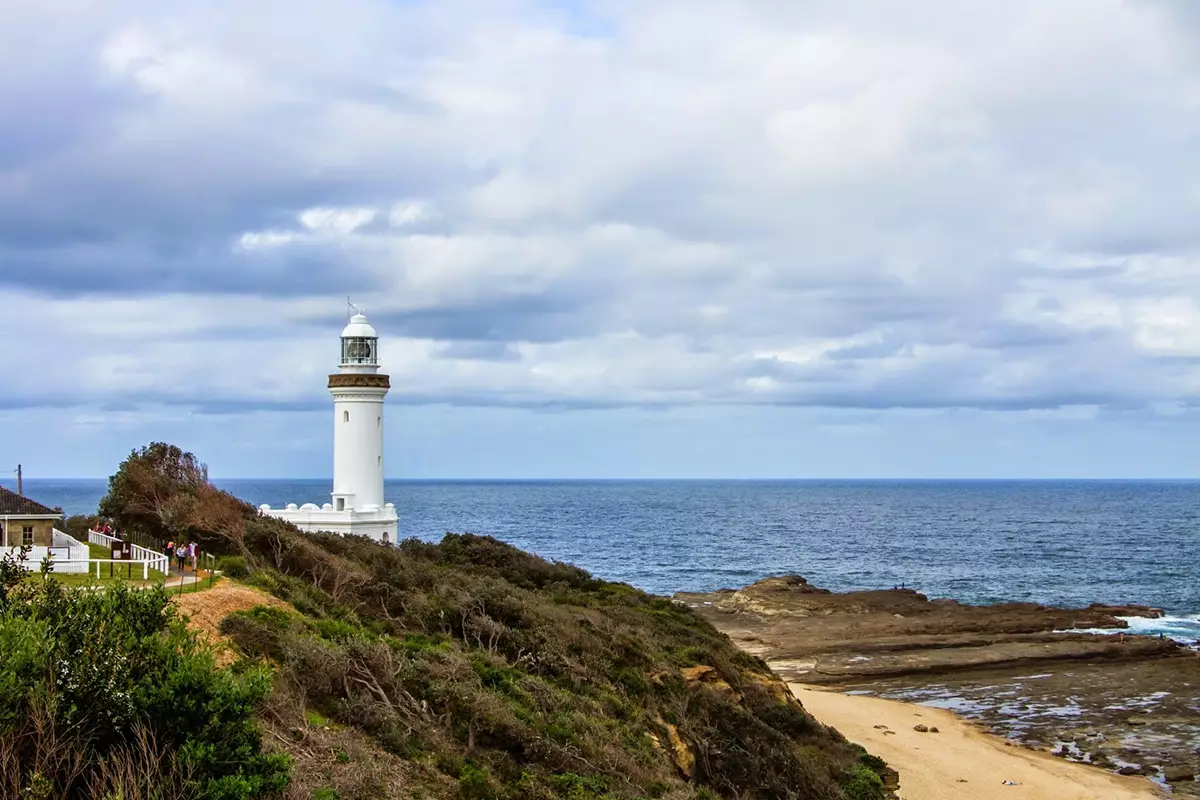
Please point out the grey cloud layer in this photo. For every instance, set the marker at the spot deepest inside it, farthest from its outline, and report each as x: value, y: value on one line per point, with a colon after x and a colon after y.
x: 605, y: 204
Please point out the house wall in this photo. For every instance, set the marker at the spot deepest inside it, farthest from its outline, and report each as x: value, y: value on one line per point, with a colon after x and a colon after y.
x: 43, y: 531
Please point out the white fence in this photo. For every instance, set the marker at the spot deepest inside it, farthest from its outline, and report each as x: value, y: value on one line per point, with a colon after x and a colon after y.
x: 158, y: 561
x: 70, y: 556
x: 151, y: 558
x: 96, y: 537
x: 66, y: 554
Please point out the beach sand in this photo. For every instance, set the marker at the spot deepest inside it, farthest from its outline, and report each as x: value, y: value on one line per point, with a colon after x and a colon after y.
x: 961, y: 762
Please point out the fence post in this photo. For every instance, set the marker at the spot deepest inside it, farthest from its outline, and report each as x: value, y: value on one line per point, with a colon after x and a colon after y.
x: 145, y: 570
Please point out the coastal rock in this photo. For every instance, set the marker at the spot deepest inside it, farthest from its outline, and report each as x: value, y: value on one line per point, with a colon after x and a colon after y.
x: 1127, y: 611
x: 920, y: 729
x: 681, y: 754
x: 875, y: 634
x: 696, y: 674
x: 1179, y: 773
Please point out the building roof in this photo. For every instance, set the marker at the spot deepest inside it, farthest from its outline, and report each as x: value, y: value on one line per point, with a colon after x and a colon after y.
x: 359, y: 328
x: 15, y: 504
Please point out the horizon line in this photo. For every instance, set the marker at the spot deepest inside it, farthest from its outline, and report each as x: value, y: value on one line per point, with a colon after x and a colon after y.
x: 675, y: 479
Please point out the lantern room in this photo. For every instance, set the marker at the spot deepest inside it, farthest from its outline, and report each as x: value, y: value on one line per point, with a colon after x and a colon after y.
x: 360, y: 343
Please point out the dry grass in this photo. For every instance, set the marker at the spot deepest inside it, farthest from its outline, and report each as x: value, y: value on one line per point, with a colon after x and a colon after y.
x: 205, y: 610
x: 338, y: 761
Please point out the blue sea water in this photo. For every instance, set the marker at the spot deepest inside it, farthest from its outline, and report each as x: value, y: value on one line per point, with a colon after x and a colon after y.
x: 1054, y: 542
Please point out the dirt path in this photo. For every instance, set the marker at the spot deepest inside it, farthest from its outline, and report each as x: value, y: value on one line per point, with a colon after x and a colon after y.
x: 206, y: 609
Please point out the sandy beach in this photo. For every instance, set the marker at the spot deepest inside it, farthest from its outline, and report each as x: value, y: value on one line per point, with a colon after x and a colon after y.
x: 961, y: 762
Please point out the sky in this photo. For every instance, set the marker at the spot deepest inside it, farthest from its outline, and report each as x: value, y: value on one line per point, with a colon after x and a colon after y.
x: 681, y: 238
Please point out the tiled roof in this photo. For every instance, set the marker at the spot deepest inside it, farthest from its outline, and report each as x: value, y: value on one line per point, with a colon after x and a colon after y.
x: 13, y: 503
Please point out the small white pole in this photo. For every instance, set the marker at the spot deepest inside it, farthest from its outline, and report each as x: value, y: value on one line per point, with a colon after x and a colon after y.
x: 145, y: 570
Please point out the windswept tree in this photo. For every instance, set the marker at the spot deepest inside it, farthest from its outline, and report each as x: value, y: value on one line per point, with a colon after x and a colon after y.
x: 164, y: 491
x: 154, y: 491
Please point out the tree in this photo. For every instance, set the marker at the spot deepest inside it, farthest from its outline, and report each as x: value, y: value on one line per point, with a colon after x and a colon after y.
x: 154, y: 491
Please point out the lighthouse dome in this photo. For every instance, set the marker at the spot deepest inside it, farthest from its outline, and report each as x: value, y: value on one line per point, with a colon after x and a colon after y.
x: 359, y: 328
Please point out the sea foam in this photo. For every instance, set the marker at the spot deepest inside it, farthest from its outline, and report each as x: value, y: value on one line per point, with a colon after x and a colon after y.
x: 1185, y: 630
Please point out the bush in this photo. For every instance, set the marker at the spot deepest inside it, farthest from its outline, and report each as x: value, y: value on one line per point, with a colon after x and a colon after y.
x: 113, y: 677
x: 865, y: 784
x: 233, y: 567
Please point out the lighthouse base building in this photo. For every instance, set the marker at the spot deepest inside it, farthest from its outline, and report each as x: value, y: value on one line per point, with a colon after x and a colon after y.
x: 356, y: 503
x: 380, y: 524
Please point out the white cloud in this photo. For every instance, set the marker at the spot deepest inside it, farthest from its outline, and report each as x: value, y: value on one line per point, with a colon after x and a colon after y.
x: 671, y: 203
x: 336, y: 220
x: 411, y: 212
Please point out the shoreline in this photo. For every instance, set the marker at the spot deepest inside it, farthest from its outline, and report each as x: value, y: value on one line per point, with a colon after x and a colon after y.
x: 960, y: 760
x: 1041, y: 677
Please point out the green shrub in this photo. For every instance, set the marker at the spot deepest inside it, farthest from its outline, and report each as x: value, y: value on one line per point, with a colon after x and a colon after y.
x: 865, y: 784
x: 103, y: 671
x: 475, y: 784
x: 233, y: 567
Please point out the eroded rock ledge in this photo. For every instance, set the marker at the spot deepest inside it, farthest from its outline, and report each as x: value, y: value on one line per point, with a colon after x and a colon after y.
x: 818, y: 636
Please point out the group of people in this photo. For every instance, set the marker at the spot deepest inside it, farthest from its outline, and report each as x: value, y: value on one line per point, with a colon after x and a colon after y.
x: 183, y: 553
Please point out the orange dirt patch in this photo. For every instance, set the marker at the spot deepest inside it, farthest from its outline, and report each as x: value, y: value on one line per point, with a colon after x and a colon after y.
x: 205, y: 610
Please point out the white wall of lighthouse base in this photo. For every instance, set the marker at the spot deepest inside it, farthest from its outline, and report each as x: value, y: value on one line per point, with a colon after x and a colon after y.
x: 380, y: 524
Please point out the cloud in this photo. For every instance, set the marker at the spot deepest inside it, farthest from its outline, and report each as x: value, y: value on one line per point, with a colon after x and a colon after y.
x: 605, y: 204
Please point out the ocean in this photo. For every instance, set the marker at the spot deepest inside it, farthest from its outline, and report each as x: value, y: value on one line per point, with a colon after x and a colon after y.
x: 1053, y: 542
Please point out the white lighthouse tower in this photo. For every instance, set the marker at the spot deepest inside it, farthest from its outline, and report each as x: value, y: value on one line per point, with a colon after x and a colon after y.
x: 358, y: 390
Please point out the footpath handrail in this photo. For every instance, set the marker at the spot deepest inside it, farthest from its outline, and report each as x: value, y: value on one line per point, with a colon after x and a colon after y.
x: 156, y: 560
x: 96, y: 537
x: 98, y: 561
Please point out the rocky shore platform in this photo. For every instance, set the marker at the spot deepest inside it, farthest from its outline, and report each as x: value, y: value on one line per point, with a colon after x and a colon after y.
x: 1041, y: 677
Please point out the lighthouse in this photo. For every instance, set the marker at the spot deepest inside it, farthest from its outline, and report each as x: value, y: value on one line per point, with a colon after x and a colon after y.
x: 358, y: 389
x: 357, y: 503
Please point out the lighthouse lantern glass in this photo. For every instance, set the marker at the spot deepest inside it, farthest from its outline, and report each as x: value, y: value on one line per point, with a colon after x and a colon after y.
x: 359, y: 350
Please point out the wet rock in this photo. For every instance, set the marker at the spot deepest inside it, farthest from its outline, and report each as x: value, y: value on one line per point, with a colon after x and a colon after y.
x: 1129, y: 770
x: 1179, y: 773
x: 1127, y: 611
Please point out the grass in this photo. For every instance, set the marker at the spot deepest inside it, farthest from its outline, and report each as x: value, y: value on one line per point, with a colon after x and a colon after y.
x: 109, y: 573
